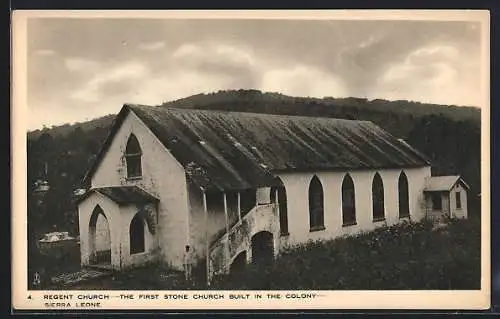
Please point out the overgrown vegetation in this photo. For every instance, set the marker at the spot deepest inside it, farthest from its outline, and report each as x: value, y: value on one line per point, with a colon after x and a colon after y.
x: 406, y: 256
x: 64, y: 259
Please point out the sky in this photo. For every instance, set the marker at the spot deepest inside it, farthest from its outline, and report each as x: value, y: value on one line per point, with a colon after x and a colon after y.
x: 80, y: 69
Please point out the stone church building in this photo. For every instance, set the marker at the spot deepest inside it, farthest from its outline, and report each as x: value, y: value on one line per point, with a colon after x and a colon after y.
x: 239, y: 187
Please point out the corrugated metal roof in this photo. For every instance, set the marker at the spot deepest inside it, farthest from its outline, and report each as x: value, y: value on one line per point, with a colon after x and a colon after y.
x: 443, y: 183
x: 231, y: 150
x: 235, y: 150
x: 122, y: 194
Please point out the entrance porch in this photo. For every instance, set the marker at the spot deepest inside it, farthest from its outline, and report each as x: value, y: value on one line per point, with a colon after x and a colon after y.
x: 117, y: 227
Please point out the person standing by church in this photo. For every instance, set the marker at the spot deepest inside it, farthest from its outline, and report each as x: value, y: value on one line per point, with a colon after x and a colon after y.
x: 188, y: 265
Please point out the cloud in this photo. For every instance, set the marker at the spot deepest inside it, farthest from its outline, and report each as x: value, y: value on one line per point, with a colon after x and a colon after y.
x: 151, y: 46
x: 302, y: 80
x: 178, y: 84
x: 433, y: 54
x: 239, y: 64
x: 191, y: 69
x: 430, y: 66
x: 233, y: 66
x: 45, y: 52
x: 213, y: 54
x: 431, y: 76
x: 434, y: 73
x: 79, y: 64
x: 371, y: 40
x: 81, y: 68
x: 111, y: 81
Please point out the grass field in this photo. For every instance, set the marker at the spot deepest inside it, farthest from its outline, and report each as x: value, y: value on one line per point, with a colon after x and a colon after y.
x: 406, y: 256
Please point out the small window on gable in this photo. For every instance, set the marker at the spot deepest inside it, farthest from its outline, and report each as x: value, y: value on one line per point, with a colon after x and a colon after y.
x: 458, y: 200
x: 133, y: 155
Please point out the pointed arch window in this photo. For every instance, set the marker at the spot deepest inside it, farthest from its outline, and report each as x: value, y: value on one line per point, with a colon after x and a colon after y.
x: 403, y: 196
x: 133, y: 157
x: 348, y: 202
x: 378, y: 208
x: 99, y: 237
x: 316, y: 208
x: 278, y: 195
x: 136, y: 234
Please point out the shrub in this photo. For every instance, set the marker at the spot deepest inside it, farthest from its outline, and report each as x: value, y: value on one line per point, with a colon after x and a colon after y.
x: 406, y: 256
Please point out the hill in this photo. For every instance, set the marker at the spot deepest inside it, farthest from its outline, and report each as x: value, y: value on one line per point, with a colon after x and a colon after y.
x: 448, y: 135
x: 277, y: 103
x: 63, y: 130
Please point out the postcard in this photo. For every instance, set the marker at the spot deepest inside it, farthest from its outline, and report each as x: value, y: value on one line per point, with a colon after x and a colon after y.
x: 203, y: 160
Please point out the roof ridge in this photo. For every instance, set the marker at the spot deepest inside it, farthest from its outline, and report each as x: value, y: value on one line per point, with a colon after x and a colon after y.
x: 244, y: 113
x: 451, y: 179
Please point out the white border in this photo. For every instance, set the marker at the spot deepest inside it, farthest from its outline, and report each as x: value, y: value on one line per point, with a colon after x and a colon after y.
x: 328, y: 299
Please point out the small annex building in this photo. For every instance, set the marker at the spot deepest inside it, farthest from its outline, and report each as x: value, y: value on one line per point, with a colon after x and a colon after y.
x: 239, y: 187
x: 446, y: 197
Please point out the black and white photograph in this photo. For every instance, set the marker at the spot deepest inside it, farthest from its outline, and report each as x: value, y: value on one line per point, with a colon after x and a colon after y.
x: 206, y: 154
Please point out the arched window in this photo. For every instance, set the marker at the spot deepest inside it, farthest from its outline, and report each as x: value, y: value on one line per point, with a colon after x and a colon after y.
x: 316, y: 211
x: 282, y: 204
x: 404, y: 202
x: 378, y: 198
x: 136, y: 234
x: 133, y: 156
x: 99, y: 238
x: 348, y: 202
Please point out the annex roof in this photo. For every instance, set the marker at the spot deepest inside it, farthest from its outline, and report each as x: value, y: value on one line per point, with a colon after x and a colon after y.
x: 122, y: 194
x: 223, y: 150
x: 443, y: 183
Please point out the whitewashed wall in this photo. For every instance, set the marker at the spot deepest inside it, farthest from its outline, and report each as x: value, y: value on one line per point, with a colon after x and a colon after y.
x: 198, y: 225
x: 263, y: 195
x: 163, y: 177
x: 112, y: 213
x: 150, y: 248
x: 297, y: 186
x: 102, y: 234
x: 458, y: 212
x: 119, y: 218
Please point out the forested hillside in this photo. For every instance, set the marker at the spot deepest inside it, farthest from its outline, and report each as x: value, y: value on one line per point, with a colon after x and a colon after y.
x: 448, y: 135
